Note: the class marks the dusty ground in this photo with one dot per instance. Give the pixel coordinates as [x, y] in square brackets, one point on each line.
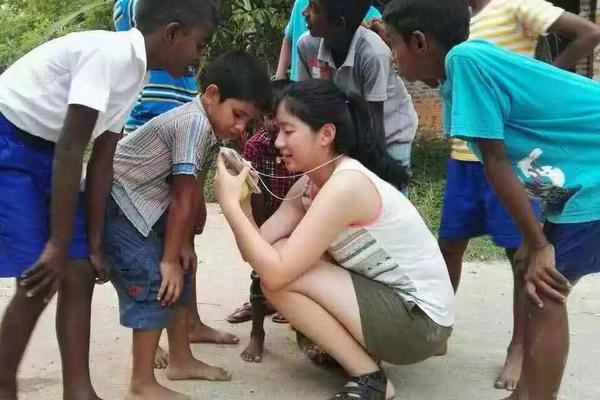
[476, 349]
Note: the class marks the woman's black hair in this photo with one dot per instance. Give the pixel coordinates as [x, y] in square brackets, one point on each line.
[318, 102]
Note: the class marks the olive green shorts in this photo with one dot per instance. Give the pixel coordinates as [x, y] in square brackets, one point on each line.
[395, 330]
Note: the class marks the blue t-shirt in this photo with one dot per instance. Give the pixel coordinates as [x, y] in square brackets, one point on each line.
[548, 118]
[297, 26]
[163, 92]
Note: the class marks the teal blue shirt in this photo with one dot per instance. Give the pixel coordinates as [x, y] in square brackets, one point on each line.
[297, 26]
[548, 118]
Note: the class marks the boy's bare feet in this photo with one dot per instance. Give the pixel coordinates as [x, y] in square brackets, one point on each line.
[153, 392]
[161, 358]
[195, 369]
[509, 376]
[201, 333]
[254, 350]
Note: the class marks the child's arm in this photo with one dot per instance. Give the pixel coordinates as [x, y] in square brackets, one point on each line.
[285, 56]
[542, 277]
[43, 277]
[585, 37]
[183, 190]
[376, 108]
[98, 184]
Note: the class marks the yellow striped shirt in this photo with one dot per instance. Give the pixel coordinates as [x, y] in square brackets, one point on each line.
[515, 25]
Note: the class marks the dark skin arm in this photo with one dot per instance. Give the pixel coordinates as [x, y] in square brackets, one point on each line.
[542, 277]
[585, 35]
[43, 277]
[183, 190]
[98, 184]
[376, 108]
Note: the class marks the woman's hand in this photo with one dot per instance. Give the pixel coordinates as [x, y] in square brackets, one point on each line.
[229, 187]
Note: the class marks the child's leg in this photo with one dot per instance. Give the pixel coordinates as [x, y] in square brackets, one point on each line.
[143, 385]
[198, 331]
[20, 318]
[453, 252]
[182, 364]
[254, 350]
[73, 329]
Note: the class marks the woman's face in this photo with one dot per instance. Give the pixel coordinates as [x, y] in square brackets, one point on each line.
[300, 147]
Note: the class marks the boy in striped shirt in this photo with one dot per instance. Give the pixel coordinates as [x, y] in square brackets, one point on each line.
[148, 234]
[471, 208]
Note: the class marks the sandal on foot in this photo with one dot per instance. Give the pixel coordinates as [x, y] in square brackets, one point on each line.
[279, 319]
[365, 387]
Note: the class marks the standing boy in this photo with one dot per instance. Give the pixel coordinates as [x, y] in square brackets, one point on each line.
[52, 101]
[162, 93]
[149, 230]
[471, 208]
[544, 145]
[296, 27]
[359, 62]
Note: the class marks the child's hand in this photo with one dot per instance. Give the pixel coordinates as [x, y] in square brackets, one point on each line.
[171, 284]
[101, 266]
[44, 276]
[189, 260]
[228, 187]
[542, 277]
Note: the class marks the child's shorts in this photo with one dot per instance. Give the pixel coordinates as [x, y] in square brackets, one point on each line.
[576, 248]
[471, 208]
[25, 186]
[135, 273]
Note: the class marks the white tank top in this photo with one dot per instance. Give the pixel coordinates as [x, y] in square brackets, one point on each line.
[396, 249]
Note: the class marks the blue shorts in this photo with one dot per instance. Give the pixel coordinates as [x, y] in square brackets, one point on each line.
[576, 248]
[135, 274]
[471, 208]
[25, 185]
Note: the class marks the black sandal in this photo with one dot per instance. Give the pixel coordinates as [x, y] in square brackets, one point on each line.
[367, 387]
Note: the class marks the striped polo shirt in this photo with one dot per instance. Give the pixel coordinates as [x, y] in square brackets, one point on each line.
[163, 92]
[178, 142]
[515, 25]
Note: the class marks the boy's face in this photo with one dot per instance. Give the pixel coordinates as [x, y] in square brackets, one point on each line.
[317, 19]
[182, 48]
[230, 117]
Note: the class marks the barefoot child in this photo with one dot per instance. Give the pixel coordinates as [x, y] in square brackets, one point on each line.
[52, 101]
[261, 152]
[544, 145]
[359, 62]
[148, 233]
[161, 94]
[348, 260]
[471, 208]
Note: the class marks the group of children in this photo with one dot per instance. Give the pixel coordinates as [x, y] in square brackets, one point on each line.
[154, 138]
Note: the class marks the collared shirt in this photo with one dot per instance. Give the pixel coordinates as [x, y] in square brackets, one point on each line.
[163, 92]
[260, 150]
[178, 142]
[101, 70]
[515, 25]
[367, 72]
[296, 27]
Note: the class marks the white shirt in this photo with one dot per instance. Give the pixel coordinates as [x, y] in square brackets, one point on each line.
[101, 70]
[396, 249]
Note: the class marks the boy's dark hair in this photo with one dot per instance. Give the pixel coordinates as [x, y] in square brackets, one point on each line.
[278, 88]
[446, 20]
[151, 14]
[353, 11]
[240, 76]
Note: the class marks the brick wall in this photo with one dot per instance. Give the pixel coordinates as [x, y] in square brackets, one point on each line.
[428, 103]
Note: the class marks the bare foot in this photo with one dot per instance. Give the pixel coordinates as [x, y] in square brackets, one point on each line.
[254, 350]
[509, 376]
[161, 358]
[200, 333]
[196, 369]
[153, 392]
